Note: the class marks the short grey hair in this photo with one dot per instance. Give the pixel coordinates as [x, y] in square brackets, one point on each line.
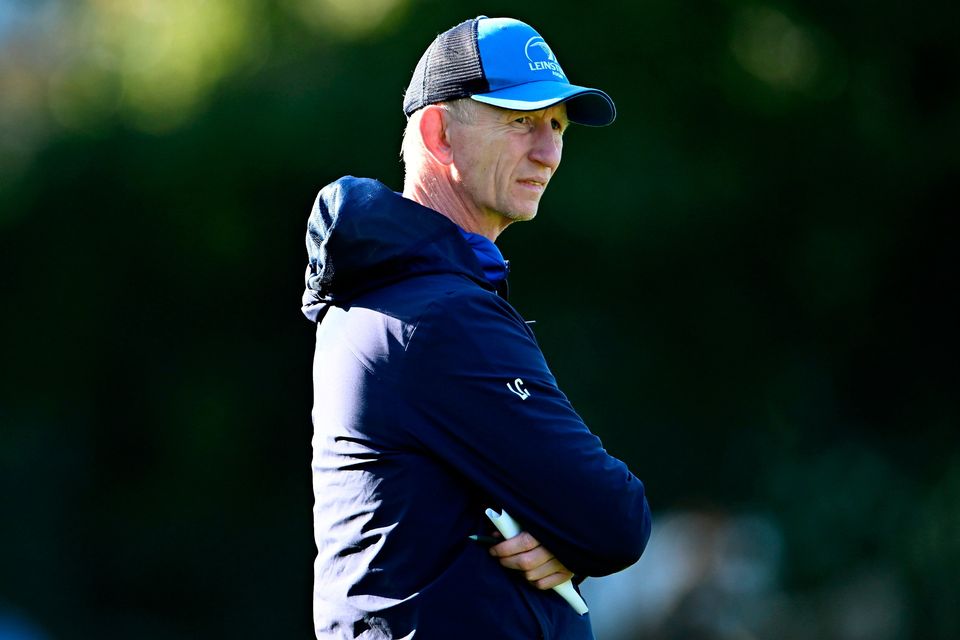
[463, 110]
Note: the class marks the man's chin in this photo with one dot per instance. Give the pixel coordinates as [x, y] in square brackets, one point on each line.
[523, 213]
[522, 216]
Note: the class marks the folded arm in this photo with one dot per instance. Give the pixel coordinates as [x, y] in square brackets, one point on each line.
[581, 506]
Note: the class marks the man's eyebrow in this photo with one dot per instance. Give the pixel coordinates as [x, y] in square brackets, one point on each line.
[510, 114]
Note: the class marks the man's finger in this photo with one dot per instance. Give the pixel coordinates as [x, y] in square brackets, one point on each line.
[552, 580]
[548, 568]
[528, 560]
[513, 546]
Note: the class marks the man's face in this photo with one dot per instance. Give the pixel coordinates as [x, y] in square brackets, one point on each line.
[503, 160]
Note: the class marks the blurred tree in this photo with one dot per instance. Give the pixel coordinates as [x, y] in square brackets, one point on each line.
[743, 286]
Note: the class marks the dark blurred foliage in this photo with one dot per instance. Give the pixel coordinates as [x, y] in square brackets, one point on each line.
[743, 285]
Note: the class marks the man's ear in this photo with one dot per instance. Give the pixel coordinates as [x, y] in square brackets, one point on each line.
[434, 133]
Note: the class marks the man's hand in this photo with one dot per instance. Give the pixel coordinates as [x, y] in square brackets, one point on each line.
[524, 553]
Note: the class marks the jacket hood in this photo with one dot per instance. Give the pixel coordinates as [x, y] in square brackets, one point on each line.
[362, 236]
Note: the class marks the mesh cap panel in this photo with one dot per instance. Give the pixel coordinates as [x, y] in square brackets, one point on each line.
[450, 68]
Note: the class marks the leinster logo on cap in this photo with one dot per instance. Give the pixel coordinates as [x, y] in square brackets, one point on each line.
[541, 58]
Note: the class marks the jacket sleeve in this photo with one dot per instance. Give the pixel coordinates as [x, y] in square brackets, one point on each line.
[486, 404]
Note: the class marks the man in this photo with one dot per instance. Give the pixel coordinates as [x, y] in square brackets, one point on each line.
[432, 399]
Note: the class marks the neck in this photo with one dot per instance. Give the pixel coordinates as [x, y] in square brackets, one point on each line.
[439, 193]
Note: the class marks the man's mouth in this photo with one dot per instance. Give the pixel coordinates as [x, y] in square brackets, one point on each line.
[532, 182]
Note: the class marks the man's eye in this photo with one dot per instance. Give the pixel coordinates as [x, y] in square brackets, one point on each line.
[557, 126]
[522, 120]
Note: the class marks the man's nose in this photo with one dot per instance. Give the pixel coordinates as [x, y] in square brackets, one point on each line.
[547, 146]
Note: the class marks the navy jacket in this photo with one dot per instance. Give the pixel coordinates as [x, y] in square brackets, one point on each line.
[433, 402]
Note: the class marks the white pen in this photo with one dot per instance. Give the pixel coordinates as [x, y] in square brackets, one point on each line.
[510, 528]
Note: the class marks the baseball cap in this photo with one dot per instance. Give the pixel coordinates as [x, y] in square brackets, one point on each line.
[505, 63]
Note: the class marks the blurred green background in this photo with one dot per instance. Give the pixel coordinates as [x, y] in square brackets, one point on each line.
[743, 286]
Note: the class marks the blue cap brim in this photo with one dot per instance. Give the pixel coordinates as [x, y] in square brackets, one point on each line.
[590, 107]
